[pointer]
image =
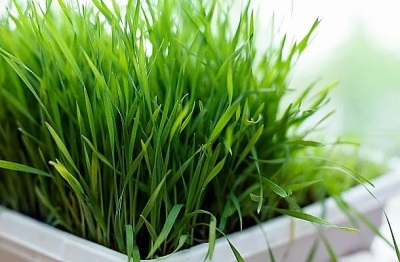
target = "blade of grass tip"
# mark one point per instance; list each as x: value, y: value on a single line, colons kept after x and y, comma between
x: 236, y: 203
x: 250, y: 145
x: 66, y: 51
x: 66, y: 10
x: 251, y: 29
x: 98, y: 154
x: 261, y: 200
x: 22, y: 168
x: 254, y: 197
x: 182, y: 241
x: 223, y: 121
x: 98, y: 76
x: 304, y: 42
x: 108, y: 14
x: 116, y: 9
x: 187, y: 120
x: 150, y: 203
x: 150, y: 229
x: 236, y: 253
x: 396, y: 247
x: 214, y: 172
x: 313, y: 219
x: 178, y: 122
x: 72, y: 181
x: 61, y: 146
x: 169, y: 223
x: 15, y: 65
x: 274, y: 187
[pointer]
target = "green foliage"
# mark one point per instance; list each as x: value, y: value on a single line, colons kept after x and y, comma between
x: 150, y: 127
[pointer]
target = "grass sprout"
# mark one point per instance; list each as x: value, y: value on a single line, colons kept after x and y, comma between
x: 153, y: 126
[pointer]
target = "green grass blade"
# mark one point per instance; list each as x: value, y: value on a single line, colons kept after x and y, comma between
x: 229, y: 84
x: 169, y: 223
x: 150, y: 228
x: 22, y: 168
x: 274, y: 187
x: 303, y: 185
x: 61, y: 146
x: 66, y: 51
x: 150, y: 204
x: 312, y: 219
x: 72, y: 181
x: 211, y: 237
x: 250, y: 144
x: 222, y: 122
x: 98, y: 154
x: 132, y: 249
x: 236, y: 203
x: 214, y: 172
x: 236, y: 253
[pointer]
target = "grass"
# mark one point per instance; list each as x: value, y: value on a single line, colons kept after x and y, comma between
x: 151, y: 127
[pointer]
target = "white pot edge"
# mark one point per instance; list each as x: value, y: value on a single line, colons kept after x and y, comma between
x: 35, y: 241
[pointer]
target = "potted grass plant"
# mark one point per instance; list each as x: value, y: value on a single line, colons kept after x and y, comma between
x: 154, y: 127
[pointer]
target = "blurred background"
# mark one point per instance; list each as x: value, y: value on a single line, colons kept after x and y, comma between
x: 356, y: 44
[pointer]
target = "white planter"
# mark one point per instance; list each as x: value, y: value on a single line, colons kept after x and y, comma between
x: 24, y: 239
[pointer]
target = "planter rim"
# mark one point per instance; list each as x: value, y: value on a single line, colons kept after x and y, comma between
x: 357, y: 196
x: 26, y: 236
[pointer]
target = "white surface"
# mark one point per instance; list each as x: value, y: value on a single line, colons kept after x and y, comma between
x: 25, y: 239
x: 380, y: 251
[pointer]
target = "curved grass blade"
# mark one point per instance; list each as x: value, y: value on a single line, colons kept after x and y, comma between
x: 169, y: 223
x: 236, y: 253
x: 236, y: 204
x: 214, y: 172
x: 150, y: 203
x: 274, y: 187
x: 222, y: 122
x: 303, y: 185
x: 312, y: 219
x: 98, y: 154
x: 212, y: 237
x: 250, y: 144
x: 22, y: 168
x: 61, y: 146
x: 72, y: 181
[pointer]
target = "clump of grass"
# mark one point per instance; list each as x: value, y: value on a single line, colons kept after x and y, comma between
x: 151, y: 127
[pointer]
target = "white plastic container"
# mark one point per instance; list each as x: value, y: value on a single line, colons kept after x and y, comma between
x: 24, y: 239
